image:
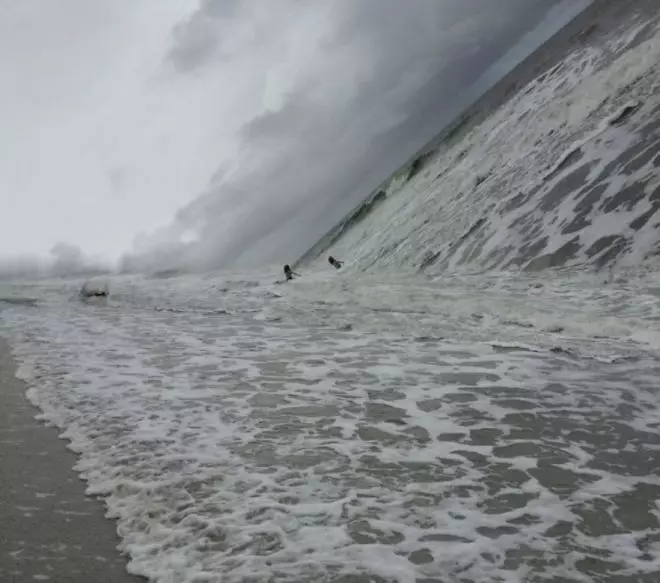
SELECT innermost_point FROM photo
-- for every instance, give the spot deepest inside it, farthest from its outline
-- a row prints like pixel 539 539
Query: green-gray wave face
pixel 555 168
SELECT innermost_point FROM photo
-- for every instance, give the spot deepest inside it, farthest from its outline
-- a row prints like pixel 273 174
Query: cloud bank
pixel 255 125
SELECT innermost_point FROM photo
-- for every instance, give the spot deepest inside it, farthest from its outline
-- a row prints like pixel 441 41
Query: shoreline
pixel 49 529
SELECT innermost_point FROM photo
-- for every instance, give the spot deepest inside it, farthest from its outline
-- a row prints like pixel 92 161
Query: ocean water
pixel 565 173
pixel 467 400
pixel 483 428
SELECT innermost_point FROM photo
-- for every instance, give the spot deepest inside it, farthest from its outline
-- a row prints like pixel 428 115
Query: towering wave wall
pixel 557 170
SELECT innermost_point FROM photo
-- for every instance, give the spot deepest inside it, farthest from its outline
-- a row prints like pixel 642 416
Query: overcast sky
pixel 222 130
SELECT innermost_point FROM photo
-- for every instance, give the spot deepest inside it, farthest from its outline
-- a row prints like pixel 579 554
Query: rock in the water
pixel 94 290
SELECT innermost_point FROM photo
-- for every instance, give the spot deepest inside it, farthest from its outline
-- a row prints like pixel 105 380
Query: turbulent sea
pixel 472 398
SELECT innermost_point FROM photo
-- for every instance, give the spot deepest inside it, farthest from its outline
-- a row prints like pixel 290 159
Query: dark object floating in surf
pixel 289 274
pixel 90 290
pixel 336 263
pixel 624 113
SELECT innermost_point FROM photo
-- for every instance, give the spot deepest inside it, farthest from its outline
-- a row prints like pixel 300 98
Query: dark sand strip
pixel 49 529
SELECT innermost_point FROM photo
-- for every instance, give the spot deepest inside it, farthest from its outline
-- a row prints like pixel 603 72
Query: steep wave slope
pixel 564 173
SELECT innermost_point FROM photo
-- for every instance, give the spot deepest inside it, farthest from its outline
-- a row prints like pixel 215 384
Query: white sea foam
pixel 237 436
pixel 524 145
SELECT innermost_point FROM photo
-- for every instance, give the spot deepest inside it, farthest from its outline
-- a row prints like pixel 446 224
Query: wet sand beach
pixel 49 529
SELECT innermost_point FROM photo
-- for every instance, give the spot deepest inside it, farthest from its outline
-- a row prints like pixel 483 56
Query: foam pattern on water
pixel 362 430
pixel 564 173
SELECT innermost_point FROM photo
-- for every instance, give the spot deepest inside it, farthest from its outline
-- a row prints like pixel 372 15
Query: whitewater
pixel 471 398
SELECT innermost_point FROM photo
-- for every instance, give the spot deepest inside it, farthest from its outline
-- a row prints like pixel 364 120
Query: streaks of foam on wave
pixel 550 178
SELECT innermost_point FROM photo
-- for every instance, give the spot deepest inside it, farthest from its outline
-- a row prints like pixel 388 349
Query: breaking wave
pixel 561 174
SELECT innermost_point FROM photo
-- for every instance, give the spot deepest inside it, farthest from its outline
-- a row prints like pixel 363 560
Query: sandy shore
pixel 49 529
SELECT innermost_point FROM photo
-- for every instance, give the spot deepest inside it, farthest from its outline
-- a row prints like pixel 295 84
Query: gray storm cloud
pixel 223 132
pixel 353 84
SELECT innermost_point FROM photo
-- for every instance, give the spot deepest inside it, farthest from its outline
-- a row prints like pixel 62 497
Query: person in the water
pixel 289 273
pixel 335 262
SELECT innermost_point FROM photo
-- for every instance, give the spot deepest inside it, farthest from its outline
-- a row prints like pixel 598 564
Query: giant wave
pixel 561 173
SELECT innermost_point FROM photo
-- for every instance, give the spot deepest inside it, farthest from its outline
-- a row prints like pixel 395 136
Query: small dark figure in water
pixel 289 273
pixel 335 262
